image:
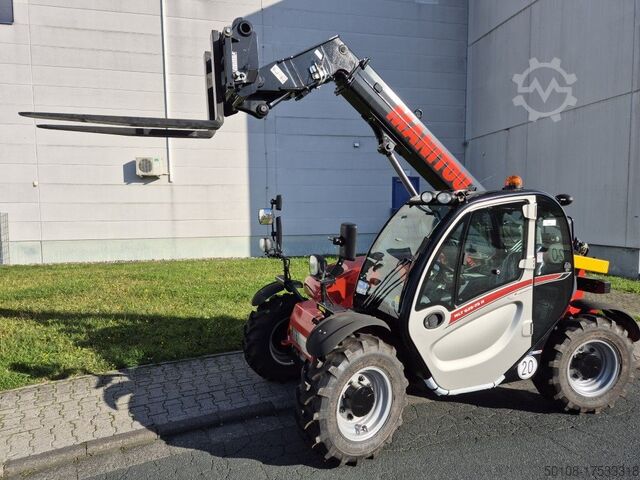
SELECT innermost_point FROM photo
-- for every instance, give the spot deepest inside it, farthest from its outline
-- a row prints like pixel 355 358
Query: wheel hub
pixel 359 399
pixel 594 368
pixel 588 365
pixel 364 404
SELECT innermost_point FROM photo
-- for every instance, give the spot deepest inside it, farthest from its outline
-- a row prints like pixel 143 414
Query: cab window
pixel 438 286
pixel 554 252
pixel 492 250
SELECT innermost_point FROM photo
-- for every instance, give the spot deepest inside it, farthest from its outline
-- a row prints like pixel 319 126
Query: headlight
pixel 316 265
pixel 426 197
pixel 444 197
pixel 266 245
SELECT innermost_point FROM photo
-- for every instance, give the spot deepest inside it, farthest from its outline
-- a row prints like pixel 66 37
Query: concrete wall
pixel 593 152
pixel 75 197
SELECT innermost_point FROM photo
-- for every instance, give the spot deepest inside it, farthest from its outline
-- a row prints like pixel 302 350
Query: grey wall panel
pixel 586 155
pixel 593 146
pixel 488 157
pixel 485 15
pixel 633 197
pixel 492 63
pixel 498 155
pixel 592 38
pixel 446 11
pixel 636 47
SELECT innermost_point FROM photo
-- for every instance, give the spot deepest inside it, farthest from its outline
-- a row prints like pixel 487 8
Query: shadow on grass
pixel 51 371
pixel 128 339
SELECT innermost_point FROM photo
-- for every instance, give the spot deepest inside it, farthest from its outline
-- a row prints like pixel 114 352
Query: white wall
pixel 105 56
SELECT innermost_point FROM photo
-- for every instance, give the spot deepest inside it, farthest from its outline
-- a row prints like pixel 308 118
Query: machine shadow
pixel 503 398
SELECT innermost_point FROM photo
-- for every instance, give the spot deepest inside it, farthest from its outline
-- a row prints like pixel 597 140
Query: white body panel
pixel 480 340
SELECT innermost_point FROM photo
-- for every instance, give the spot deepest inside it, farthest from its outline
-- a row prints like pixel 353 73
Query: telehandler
pixel 463 289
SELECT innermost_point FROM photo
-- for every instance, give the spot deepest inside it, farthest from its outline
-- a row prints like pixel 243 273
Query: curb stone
pixel 43 461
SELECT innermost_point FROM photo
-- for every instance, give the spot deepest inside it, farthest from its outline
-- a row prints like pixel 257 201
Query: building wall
pixel 593 152
pixel 75 197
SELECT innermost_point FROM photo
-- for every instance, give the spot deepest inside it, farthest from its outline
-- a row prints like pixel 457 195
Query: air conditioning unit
pixel 150 167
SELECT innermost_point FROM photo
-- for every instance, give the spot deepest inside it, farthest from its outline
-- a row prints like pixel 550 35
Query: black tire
pixel 319 396
pixel 264 331
pixel 564 346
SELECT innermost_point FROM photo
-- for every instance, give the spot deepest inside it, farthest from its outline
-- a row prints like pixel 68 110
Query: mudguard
pixel 269 290
pixel 330 332
pixel 619 316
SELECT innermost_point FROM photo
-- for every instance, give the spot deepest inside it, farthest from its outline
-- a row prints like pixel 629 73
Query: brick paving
pixel 52 416
pixel 60 414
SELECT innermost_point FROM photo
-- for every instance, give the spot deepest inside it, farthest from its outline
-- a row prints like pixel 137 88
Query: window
pixel 439 283
pixel 480 255
pixel 493 248
pixel 6 11
pixel 553 240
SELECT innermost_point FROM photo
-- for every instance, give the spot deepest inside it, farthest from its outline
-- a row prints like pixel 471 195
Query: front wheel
pixel 264 334
pixel 350 404
pixel 587 365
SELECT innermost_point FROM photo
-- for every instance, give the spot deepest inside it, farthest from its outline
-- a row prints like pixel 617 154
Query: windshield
pixel 387 265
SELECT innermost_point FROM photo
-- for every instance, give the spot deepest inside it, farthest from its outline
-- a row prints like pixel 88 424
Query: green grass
pixel 621 284
pixel 62 320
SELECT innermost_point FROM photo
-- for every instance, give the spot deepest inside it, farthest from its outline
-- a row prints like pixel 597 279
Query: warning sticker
pixel 279 74
pixel 234 61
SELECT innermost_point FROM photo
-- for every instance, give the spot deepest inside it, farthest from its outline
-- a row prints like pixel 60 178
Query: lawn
pixel 621 284
pixel 62 320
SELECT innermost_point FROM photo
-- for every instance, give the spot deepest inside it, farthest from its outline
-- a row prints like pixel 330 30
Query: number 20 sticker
pixel 527 367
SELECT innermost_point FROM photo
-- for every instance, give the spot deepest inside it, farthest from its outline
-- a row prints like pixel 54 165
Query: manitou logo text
pixel 447 167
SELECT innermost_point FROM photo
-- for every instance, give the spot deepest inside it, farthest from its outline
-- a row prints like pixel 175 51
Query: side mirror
pixel 265 216
pixel 347 241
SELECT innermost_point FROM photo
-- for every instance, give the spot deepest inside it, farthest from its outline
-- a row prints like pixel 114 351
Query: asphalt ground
pixel 509 432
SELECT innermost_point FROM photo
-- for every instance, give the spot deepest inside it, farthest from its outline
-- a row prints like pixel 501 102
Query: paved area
pixel 509 432
pixel 47 417
pixel 87 415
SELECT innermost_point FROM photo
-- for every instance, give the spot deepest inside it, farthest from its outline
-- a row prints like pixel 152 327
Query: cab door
pixel 472 317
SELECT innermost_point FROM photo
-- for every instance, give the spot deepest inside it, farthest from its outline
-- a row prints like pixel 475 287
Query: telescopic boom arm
pixel 236 82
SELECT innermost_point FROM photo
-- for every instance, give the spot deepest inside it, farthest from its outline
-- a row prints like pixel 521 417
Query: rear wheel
pixel 587 365
pixel 264 333
pixel 349 405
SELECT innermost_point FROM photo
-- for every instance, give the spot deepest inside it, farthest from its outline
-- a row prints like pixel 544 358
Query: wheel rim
pixel 594 368
pixel 364 404
pixel 281 354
